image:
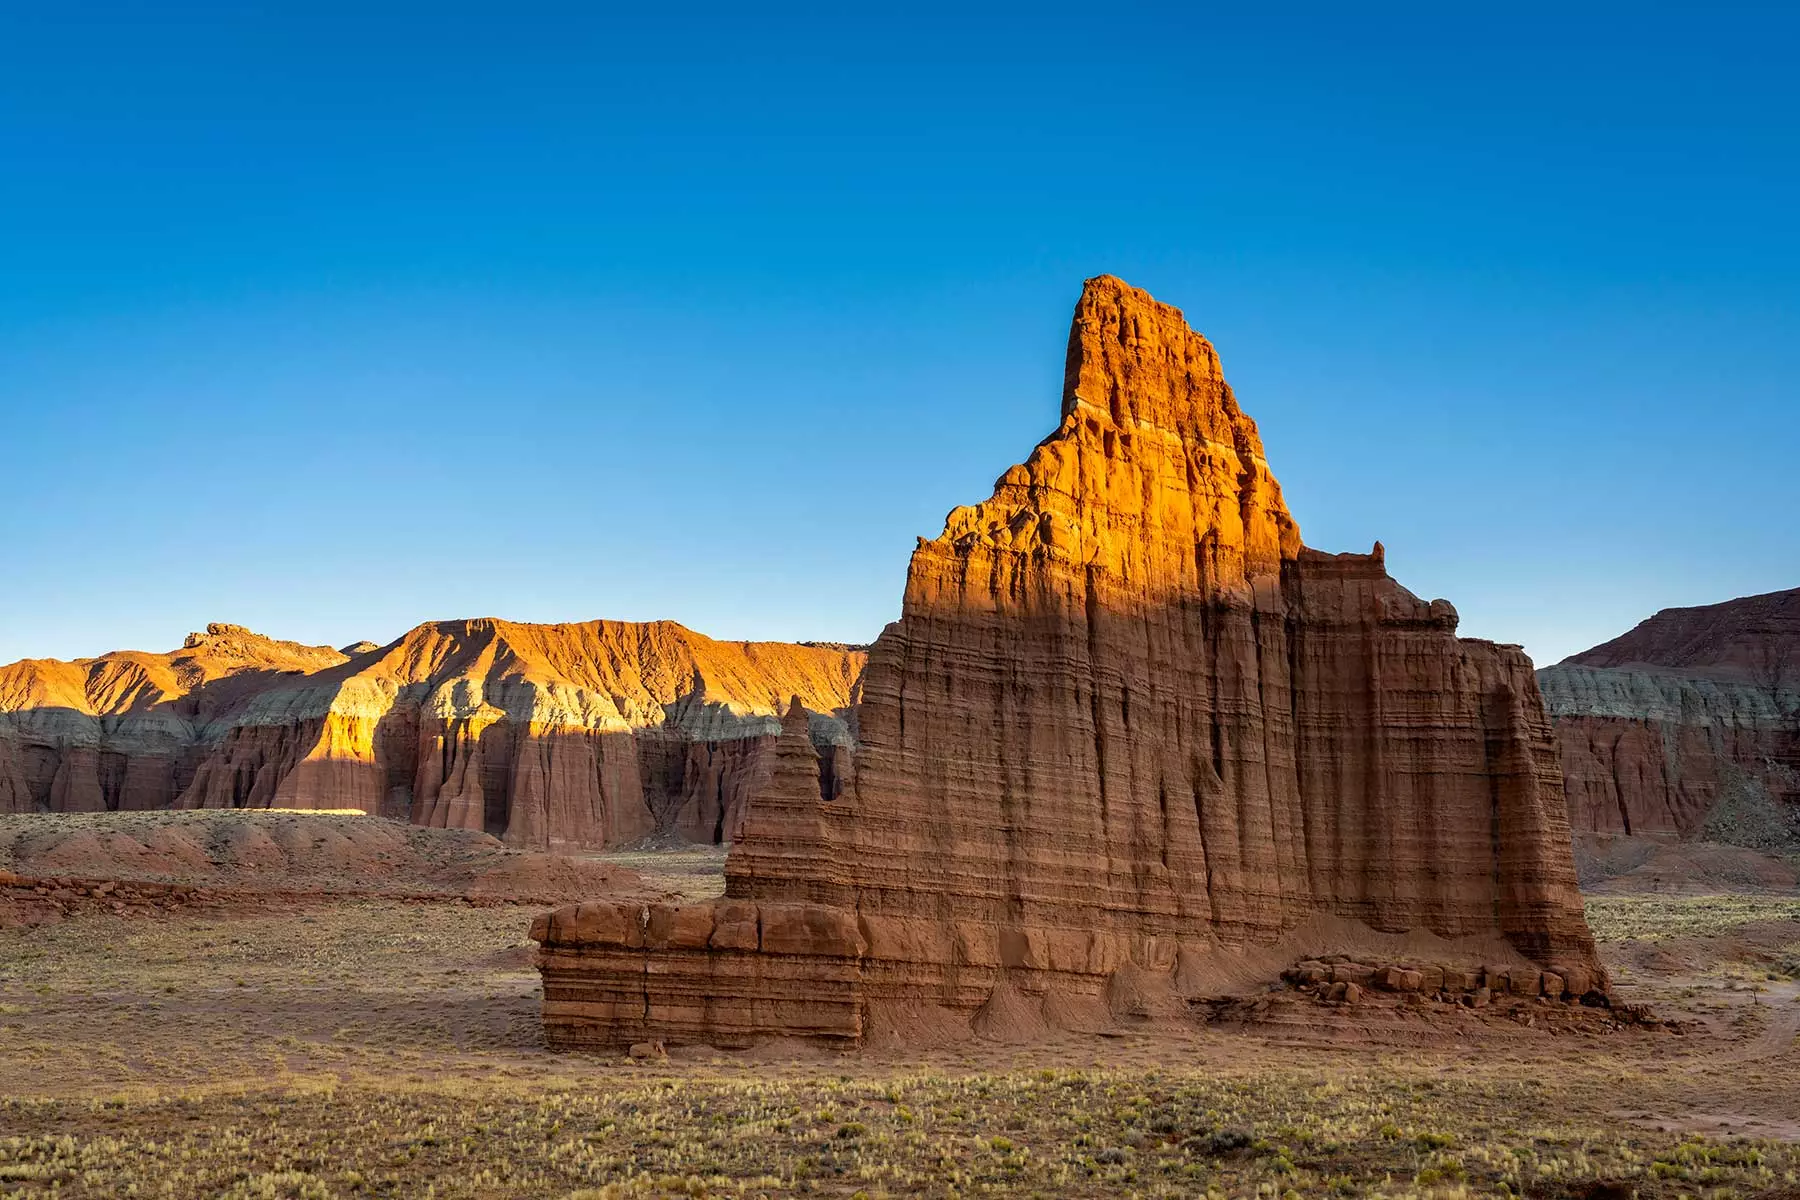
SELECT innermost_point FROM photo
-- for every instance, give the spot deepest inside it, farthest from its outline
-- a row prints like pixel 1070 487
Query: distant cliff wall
pixel 1688 725
pixel 547 736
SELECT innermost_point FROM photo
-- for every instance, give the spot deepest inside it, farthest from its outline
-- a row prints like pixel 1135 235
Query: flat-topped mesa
pixel 1127 723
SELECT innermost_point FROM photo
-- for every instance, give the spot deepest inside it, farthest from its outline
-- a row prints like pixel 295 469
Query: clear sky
pixel 333 322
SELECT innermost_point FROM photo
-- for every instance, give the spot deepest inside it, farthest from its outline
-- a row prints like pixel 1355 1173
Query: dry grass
pixel 700 1131
pixel 1660 918
pixel 695 873
pixel 372 1048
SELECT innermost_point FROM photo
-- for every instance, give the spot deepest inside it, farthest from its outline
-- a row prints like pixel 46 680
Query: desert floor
pixel 362 1047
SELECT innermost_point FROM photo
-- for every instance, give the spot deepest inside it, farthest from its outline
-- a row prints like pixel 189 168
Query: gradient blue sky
pixel 337 321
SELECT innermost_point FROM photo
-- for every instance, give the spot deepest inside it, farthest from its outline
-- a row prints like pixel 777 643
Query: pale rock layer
pixel 1693 710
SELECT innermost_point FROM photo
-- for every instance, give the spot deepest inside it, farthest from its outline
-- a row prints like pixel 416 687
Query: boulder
pixel 1461 979
pixel 1399 979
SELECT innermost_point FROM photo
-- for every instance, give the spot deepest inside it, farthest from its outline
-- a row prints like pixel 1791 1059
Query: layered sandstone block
pixel 618 973
pixel 547 736
pixel 1693 714
pixel 1126 723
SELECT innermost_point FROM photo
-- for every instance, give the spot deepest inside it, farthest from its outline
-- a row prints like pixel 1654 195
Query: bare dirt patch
pixel 1729 965
pixel 1619 864
pixel 294 854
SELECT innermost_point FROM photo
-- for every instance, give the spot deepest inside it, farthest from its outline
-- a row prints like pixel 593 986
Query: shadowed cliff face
pixel 1125 717
pixel 545 735
pixel 1121 693
pixel 1687 725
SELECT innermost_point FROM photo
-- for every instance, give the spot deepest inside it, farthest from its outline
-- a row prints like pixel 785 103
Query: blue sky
pixel 333 322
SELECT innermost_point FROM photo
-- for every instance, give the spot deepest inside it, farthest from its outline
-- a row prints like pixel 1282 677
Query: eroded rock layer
pixel 1125 722
pixel 1687 726
pixel 548 736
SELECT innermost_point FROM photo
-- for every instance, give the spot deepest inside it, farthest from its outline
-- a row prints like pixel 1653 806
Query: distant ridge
pixel 546 735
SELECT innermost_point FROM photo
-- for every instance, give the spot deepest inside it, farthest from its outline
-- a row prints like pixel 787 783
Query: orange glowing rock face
pixel 1125 725
pixel 567 736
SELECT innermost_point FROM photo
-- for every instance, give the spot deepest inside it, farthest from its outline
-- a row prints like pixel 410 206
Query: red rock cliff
pixel 1124 718
pixel 1688 725
pixel 545 735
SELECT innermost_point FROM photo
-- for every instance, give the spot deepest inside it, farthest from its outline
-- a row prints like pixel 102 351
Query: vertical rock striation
pixel 1125 719
pixel 547 736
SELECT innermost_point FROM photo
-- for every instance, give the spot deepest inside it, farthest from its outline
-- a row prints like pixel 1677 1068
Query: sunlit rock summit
pixel 1126 725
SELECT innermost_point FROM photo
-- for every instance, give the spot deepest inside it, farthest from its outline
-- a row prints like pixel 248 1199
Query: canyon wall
pixel 548 736
pixel 1687 726
pixel 1125 726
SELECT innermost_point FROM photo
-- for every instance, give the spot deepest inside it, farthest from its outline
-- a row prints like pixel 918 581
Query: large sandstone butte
pixel 1688 725
pixel 546 736
pixel 1125 723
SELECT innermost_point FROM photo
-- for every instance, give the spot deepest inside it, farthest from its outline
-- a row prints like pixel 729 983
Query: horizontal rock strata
pixel 1687 726
pixel 547 736
pixel 1125 724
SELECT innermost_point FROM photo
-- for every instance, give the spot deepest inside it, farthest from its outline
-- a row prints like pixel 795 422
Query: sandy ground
pixel 354 1046
pixel 294 852
pixel 694 873
pixel 1619 864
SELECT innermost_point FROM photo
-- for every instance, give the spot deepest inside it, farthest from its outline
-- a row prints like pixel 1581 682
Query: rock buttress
pixel 1127 720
